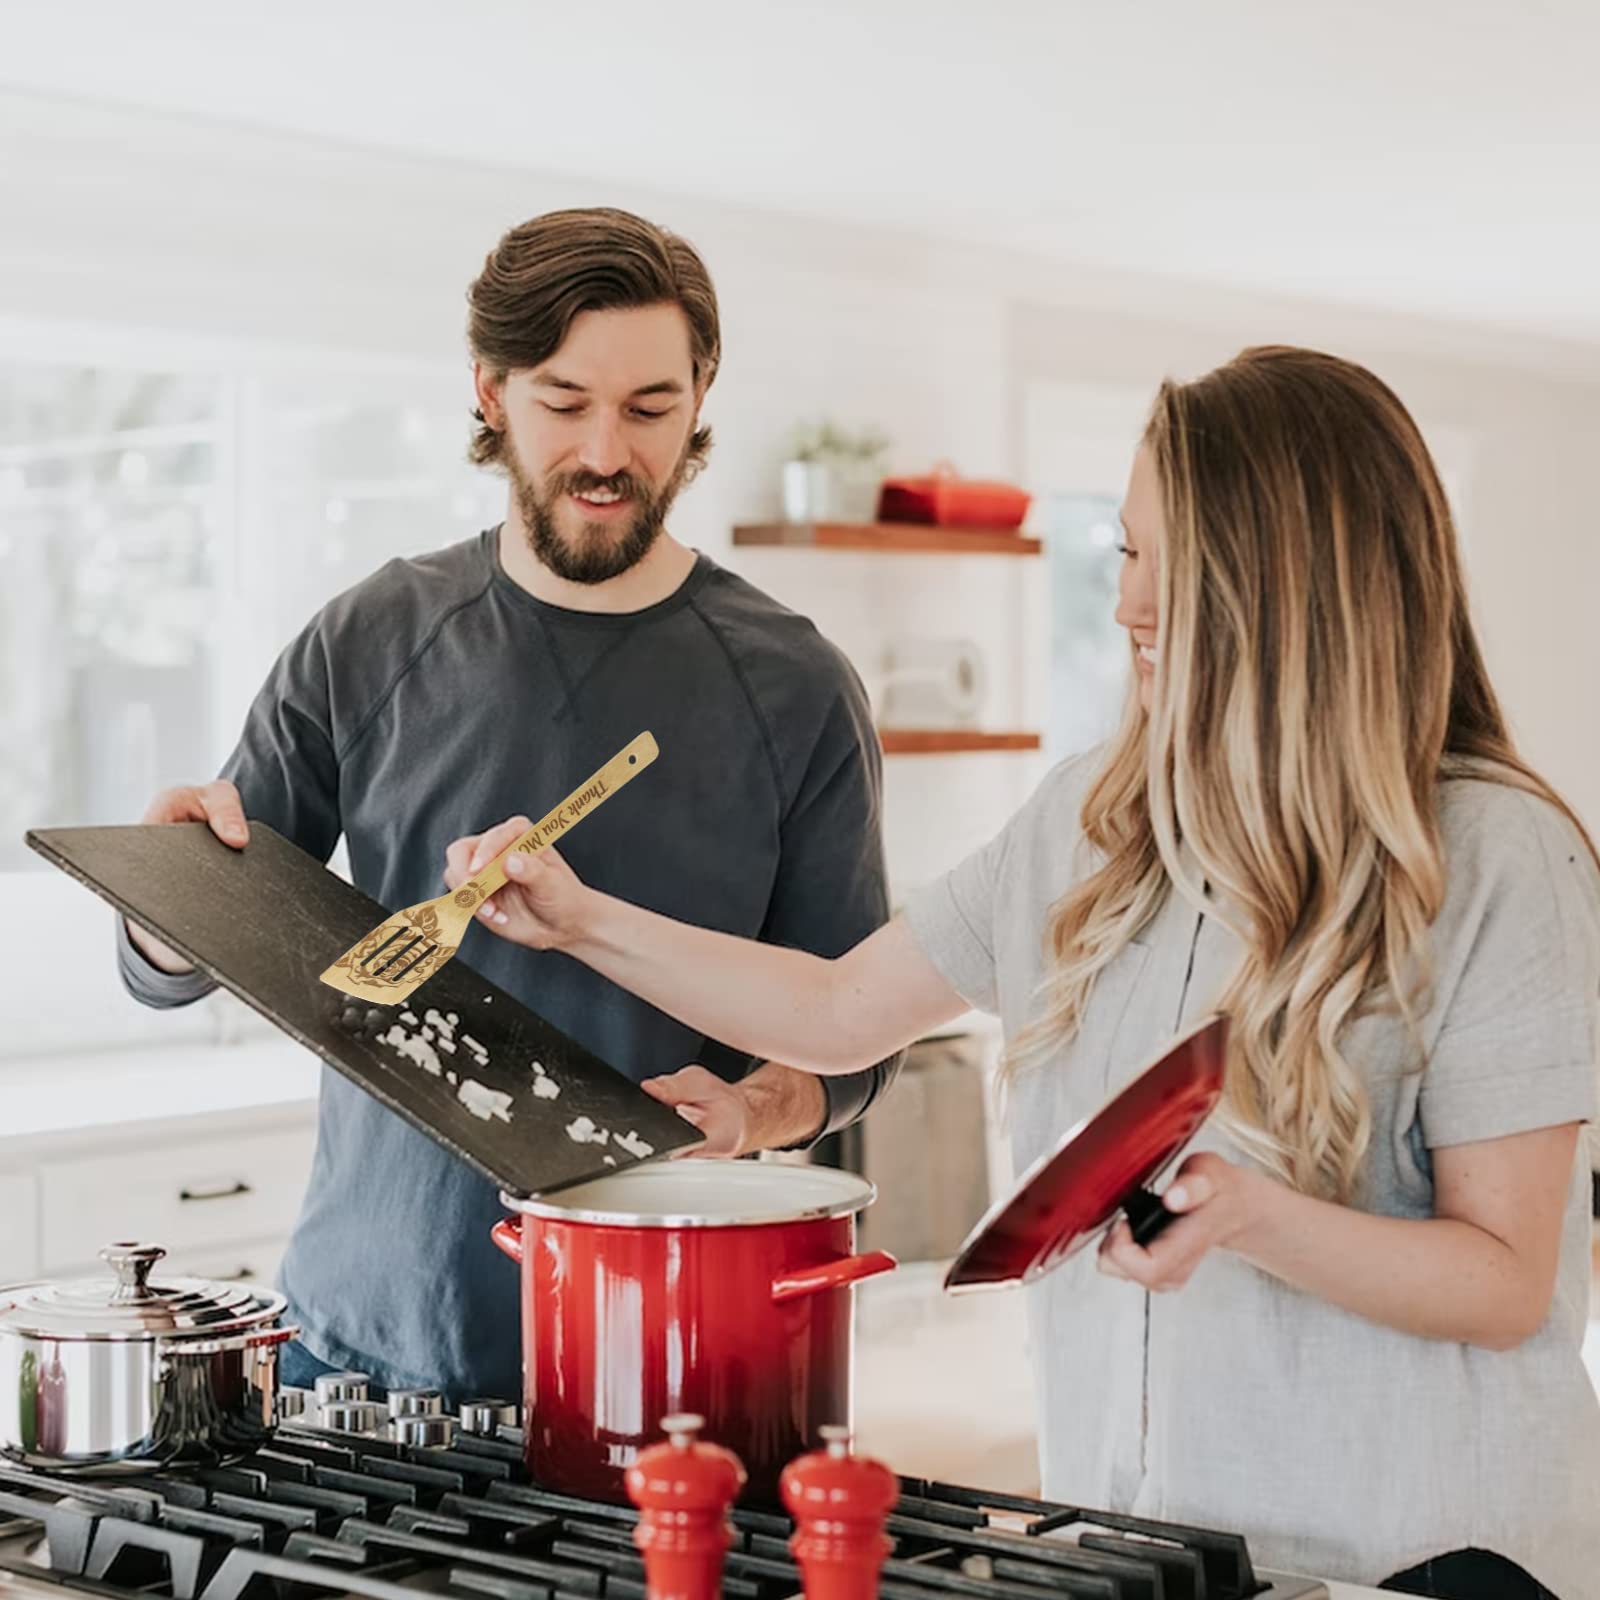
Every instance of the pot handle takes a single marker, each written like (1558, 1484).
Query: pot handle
(507, 1233)
(256, 1339)
(835, 1274)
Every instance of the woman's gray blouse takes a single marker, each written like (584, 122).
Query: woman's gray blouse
(1340, 1447)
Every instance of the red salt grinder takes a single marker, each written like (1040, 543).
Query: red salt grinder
(838, 1502)
(683, 1489)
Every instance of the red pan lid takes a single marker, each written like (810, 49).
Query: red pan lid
(1100, 1167)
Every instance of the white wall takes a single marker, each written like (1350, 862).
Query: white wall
(214, 236)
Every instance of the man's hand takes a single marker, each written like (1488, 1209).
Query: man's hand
(216, 804)
(704, 1101)
(774, 1108)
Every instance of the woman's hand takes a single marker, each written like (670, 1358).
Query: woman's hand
(1480, 1271)
(543, 904)
(777, 1004)
(1216, 1201)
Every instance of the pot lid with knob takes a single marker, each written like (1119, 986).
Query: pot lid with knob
(125, 1304)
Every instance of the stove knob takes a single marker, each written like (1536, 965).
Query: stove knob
(415, 1403)
(486, 1417)
(350, 1416)
(342, 1386)
(293, 1403)
(426, 1429)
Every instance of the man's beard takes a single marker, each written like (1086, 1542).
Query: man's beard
(600, 551)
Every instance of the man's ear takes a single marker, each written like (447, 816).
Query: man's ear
(699, 402)
(489, 388)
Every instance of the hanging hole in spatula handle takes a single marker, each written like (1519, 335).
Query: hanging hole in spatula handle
(626, 764)
(1146, 1215)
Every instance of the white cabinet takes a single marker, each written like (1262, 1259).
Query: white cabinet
(239, 1261)
(218, 1189)
(202, 1191)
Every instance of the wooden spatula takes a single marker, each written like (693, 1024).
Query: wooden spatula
(385, 966)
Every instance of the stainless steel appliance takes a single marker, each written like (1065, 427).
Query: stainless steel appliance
(318, 1512)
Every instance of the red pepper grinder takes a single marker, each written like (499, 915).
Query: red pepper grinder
(683, 1489)
(838, 1502)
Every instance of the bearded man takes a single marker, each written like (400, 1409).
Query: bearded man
(448, 691)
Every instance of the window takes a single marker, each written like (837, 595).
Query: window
(1088, 651)
(111, 485)
(164, 531)
(1078, 442)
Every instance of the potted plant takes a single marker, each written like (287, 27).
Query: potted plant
(832, 473)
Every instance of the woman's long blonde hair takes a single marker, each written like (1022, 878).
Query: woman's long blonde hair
(1317, 676)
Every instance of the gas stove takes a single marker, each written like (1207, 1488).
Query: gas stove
(319, 1513)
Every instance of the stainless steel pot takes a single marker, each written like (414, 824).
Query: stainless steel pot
(114, 1373)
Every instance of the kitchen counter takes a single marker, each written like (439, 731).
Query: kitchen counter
(63, 1092)
(49, 1095)
(203, 1148)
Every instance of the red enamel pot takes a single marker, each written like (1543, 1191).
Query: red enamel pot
(715, 1287)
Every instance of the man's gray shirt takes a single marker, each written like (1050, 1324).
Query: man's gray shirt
(438, 698)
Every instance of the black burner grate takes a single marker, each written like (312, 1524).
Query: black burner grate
(315, 1514)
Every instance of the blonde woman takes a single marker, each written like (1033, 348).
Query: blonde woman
(1314, 819)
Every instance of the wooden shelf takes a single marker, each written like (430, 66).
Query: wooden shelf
(951, 741)
(894, 538)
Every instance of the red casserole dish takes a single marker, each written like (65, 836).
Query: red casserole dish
(944, 500)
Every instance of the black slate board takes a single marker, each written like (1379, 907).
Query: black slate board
(265, 921)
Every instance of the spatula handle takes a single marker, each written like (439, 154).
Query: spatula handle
(628, 763)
